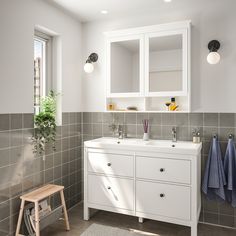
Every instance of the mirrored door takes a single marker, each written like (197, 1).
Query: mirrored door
(125, 69)
(166, 58)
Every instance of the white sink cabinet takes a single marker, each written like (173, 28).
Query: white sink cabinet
(157, 180)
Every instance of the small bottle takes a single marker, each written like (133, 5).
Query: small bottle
(111, 106)
(172, 104)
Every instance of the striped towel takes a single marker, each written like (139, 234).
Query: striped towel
(214, 177)
(230, 172)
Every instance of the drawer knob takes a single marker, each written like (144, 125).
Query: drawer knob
(108, 164)
(162, 170)
(108, 187)
(162, 195)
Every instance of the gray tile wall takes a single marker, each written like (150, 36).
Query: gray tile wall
(97, 125)
(21, 171)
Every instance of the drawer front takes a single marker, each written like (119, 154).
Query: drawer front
(113, 164)
(111, 191)
(163, 199)
(164, 169)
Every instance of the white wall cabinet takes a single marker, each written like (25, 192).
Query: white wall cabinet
(147, 66)
(159, 185)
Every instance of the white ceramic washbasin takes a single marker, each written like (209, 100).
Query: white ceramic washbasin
(167, 143)
(110, 140)
(166, 146)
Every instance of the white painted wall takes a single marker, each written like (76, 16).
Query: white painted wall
(17, 22)
(213, 87)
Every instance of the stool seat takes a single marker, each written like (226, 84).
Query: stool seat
(42, 193)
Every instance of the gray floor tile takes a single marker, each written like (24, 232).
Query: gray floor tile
(149, 227)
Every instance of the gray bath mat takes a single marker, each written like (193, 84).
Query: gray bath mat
(103, 230)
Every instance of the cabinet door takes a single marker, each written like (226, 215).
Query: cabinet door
(166, 63)
(125, 66)
(162, 169)
(112, 192)
(111, 164)
(164, 200)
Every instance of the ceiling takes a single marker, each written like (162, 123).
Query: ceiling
(89, 10)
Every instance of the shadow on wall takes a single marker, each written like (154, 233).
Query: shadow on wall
(21, 171)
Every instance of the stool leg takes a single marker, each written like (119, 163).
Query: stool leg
(37, 218)
(22, 205)
(64, 210)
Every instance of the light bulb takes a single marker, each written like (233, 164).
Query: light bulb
(88, 67)
(213, 58)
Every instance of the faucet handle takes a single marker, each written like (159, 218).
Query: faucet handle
(174, 134)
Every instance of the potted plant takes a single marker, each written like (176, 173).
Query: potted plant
(45, 124)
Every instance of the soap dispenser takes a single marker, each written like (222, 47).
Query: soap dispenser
(196, 136)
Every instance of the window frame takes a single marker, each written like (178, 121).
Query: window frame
(46, 81)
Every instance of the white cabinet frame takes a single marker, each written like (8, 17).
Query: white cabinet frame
(111, 40)
(143, 34)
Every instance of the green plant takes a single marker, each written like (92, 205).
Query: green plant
(45, 124)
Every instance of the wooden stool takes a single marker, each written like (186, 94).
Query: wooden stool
(35, 197)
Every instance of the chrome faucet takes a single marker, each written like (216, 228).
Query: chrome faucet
(121, 132)
(174, 134)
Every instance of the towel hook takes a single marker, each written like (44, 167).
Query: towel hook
(215, 136)
(231, 136)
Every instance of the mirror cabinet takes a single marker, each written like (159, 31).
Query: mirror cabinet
(148, 66)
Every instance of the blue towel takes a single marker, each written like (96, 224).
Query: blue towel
(214, 176)
(230, 172)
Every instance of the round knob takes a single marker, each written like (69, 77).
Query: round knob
(162, 195)
(108, 164)
(162, 170)
(109, 188)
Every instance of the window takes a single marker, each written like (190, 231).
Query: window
(42, 68)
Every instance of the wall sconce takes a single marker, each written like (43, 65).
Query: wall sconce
(88, 67)
(213, 56)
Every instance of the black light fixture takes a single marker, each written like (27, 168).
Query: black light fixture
(213, 56)
(88, 67)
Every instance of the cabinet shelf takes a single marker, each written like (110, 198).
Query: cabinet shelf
(146, 111)
(148, 104)
(165, 70)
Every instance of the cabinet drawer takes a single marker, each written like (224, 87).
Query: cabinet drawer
(163, 199)
(164, 169)
(111, 191)
(113, 164)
